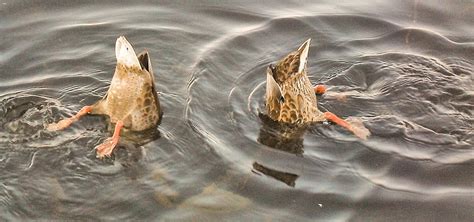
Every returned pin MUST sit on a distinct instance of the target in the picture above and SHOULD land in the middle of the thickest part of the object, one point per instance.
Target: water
(405, 68)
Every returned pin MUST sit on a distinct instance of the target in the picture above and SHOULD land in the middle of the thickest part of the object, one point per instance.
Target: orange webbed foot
(341, 97)
(358, 127)
(320, 89)
(105, 149)
(353, 125)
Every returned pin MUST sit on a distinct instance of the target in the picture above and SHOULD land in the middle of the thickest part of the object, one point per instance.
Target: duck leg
(320, 89)
(67, 122)
(105, 149)
(358, 130)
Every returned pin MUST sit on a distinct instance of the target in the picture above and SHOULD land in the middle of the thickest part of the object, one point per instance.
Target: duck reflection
(288, 178)
(283, 137)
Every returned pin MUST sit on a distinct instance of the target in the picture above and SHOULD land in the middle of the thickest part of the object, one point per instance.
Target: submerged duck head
(289, 95)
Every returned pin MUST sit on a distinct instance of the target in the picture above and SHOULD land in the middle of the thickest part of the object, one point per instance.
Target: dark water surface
(406, 68)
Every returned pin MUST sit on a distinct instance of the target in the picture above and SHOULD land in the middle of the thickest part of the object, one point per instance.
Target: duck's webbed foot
(105, 149)
(356, 127)
(67, 122)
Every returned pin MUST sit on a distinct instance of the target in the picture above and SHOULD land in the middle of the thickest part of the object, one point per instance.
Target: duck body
(131, 97)
(131, 101)
(290, 97)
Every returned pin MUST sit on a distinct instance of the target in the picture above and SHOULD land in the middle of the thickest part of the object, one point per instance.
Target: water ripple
(404, 69)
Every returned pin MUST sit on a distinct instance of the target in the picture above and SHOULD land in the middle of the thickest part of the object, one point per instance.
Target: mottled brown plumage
(290, 96)
(131, 97)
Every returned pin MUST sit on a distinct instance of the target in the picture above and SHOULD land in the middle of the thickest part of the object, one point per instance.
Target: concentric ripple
(404, 68)
(414, 98)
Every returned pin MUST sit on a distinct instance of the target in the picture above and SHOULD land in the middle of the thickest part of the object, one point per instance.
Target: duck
(290, 97)
(131, 102)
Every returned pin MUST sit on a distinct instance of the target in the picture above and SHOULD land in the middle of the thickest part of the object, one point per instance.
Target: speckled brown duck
(290, 96)
(131, 101)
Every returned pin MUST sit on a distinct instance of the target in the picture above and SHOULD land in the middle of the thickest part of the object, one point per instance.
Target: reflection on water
(288, 178)
(405, 69)
(280, 136)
